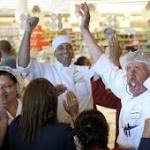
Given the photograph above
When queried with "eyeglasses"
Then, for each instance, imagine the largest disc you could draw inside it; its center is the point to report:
(6, 87)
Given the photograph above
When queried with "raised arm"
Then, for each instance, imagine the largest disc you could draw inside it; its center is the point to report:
(114, 47)
(24, 50)
(94, 50)
(115, 50)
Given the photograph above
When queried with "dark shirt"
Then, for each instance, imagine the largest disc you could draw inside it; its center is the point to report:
(53, 136)
(144, 144)
(9, 61)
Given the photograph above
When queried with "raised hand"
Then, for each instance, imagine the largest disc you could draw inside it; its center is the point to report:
(85, 15)
(31, 23)
(94, 49)
(114, 46)
(60, 89)
(71, 105)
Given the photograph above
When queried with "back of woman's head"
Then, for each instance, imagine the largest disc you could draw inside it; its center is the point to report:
(92, 129)
(39, 107)
(83, 61)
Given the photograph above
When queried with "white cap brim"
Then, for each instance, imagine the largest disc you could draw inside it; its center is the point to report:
(60, 40)
(16, 74)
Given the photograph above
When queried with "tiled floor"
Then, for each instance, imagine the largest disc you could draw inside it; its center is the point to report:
(110, 116)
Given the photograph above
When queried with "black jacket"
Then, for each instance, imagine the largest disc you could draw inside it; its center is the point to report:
(56, 136)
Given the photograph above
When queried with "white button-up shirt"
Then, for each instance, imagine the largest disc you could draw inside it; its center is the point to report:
(134, 109)
(75, 78)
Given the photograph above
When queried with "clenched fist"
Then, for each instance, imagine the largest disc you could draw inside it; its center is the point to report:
(31, 23)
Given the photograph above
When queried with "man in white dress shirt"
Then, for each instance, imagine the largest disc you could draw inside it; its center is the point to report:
(129, 87)
(61, 72)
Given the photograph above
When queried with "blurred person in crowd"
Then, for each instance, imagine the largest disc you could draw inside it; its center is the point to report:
(37, 127)
(11, 88)
(61, 72)
(129, 87)
(83, 61)
(8, 57)
(92, 130)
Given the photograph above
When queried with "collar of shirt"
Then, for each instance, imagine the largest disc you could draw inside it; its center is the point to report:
(18, 112)
(60, 65)
(147, 83)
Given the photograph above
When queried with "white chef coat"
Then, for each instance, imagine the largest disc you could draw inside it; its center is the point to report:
(134, 109)
(75, 78)
(147, 83)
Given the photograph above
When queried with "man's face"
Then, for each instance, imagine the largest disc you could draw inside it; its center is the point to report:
(137, 73)
(64, 54)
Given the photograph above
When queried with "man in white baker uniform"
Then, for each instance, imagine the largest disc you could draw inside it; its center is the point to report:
(61, 72)
(129, 87)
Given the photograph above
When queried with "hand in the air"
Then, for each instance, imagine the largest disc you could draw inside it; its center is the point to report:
(85, 15)
(60, 89)
(31, 23)
(71, 105)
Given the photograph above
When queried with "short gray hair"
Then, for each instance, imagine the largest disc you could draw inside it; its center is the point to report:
(138, 55)
(143, 57)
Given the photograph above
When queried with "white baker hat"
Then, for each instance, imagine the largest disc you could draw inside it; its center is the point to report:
(60, 40)
(138, 55)
(126, 58)
(16, 74)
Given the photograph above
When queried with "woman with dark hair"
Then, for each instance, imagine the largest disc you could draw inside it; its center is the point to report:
(92, 130)
(37, 127)
(83, 61)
